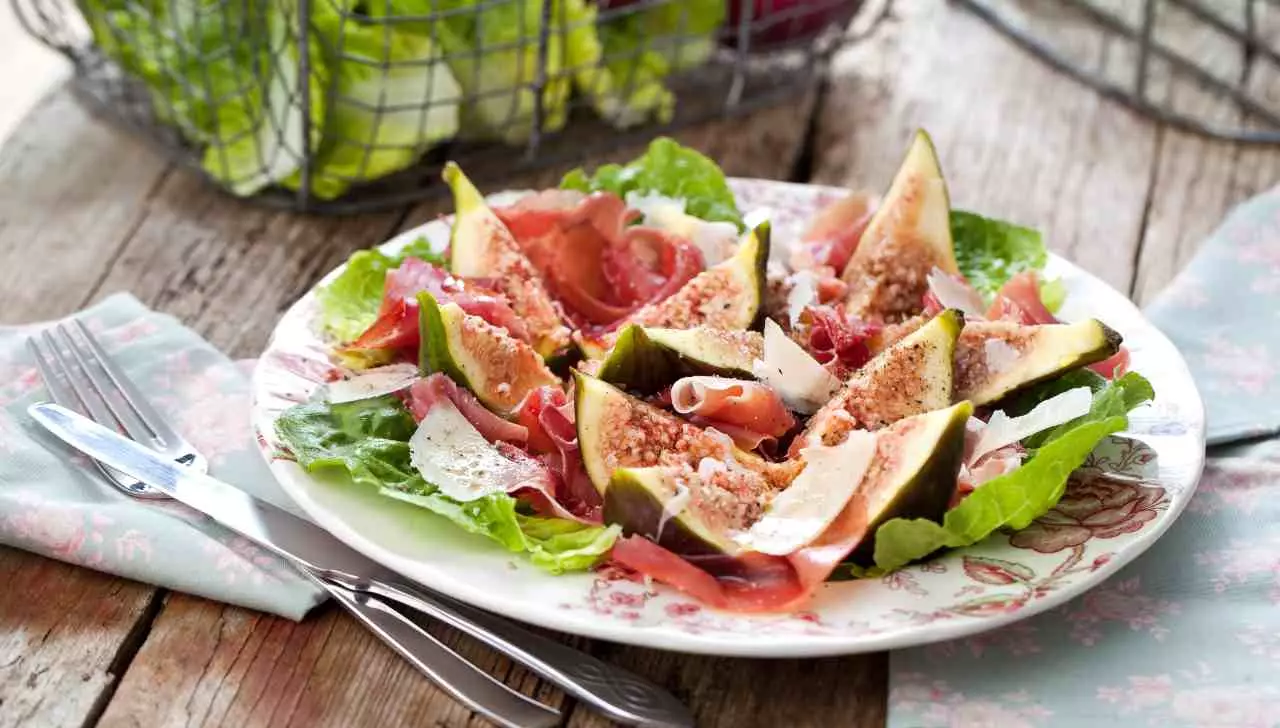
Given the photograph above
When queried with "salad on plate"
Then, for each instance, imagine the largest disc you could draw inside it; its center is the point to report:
(627, 370)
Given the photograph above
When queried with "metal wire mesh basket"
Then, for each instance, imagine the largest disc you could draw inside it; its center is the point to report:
(1211, 67)
(348, 105)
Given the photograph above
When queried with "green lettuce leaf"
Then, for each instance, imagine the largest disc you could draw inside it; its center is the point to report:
(616, 68)
(1016, 499)
(393, 97)
(667, 169)
(990, 251)
(368, 440)
(350, 303)
(493, 52)
(226, 75)
(622, 71)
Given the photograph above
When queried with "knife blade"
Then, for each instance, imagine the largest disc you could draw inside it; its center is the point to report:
(618, 693)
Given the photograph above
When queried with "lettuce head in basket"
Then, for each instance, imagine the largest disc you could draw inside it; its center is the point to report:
(385, 80)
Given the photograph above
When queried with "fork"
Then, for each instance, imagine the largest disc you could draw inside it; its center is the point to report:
(80, 375)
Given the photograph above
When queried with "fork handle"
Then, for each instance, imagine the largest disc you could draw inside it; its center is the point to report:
(463, 681)
(615, 692)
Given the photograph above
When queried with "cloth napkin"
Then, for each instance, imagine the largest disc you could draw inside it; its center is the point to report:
(54, 503)
(1189, 634)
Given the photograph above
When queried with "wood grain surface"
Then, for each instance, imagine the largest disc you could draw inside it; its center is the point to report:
(89, 211)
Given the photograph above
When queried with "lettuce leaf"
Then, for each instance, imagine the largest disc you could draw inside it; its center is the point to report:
(492, 49)
(668, 169)
(1016, 499)
(368, 440)
(622, 71)
(226, 75)
(990, 251)
(350, 303)
(393, 97)
(616, 69)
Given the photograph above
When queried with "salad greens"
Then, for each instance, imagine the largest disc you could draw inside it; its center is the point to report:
(382, 89)
(350, 303)
(393, 98)
(1019, 497)
(668, 169)
(368, 440)
(990, 252)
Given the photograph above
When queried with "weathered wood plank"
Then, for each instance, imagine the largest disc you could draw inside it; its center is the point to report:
(61, 629)
(1017, 140)
(207, 664)
(1198, 180)
(734, 693)
(77, 190)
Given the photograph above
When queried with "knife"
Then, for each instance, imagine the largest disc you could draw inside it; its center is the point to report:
(617, 693)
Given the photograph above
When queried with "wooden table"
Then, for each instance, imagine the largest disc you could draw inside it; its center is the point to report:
(87, 211)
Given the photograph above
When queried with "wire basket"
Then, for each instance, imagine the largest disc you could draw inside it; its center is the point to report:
(1211, 67)
(351, 105)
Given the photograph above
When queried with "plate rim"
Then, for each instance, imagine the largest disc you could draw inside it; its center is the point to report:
(721, 643)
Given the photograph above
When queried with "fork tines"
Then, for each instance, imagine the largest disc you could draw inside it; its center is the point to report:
(80, 375)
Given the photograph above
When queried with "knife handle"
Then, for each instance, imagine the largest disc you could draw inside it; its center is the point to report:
(465, 682)
(619, 694)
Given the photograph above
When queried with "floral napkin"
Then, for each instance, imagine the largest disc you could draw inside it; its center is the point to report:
(53, 503)
(1189, 634)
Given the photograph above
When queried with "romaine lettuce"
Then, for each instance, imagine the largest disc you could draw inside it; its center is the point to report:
(226, 75)
(393, 97)
(368, 440)
(1017, 498)
(990, 251)
(617, 69)
(350, 303)
(670, 170)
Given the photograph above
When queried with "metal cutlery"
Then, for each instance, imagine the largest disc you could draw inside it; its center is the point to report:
(105, 392)
(617, 693)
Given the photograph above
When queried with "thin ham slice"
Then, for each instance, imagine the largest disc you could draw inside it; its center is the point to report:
(396, 327)
(424, 393)
(545, 484)
(594, 262)
(841, 342)
(743, 403)
(1019, 300)
(834, 233)
(750, 582)
(547, 414)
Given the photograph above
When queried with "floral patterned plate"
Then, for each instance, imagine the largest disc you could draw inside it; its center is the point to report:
(1099, 526)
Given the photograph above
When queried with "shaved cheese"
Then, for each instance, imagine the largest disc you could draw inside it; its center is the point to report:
(452, 455)
(674, 506)
(800, 514)
(716, 240)
(803, 293)
(999, 355)
(1002, 430)
(803, 383)
(954, 294)
(372, 383)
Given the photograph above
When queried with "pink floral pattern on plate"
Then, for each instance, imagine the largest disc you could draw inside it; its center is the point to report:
(990, 584)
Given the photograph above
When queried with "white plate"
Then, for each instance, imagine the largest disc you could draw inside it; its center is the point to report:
(1095, 530)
